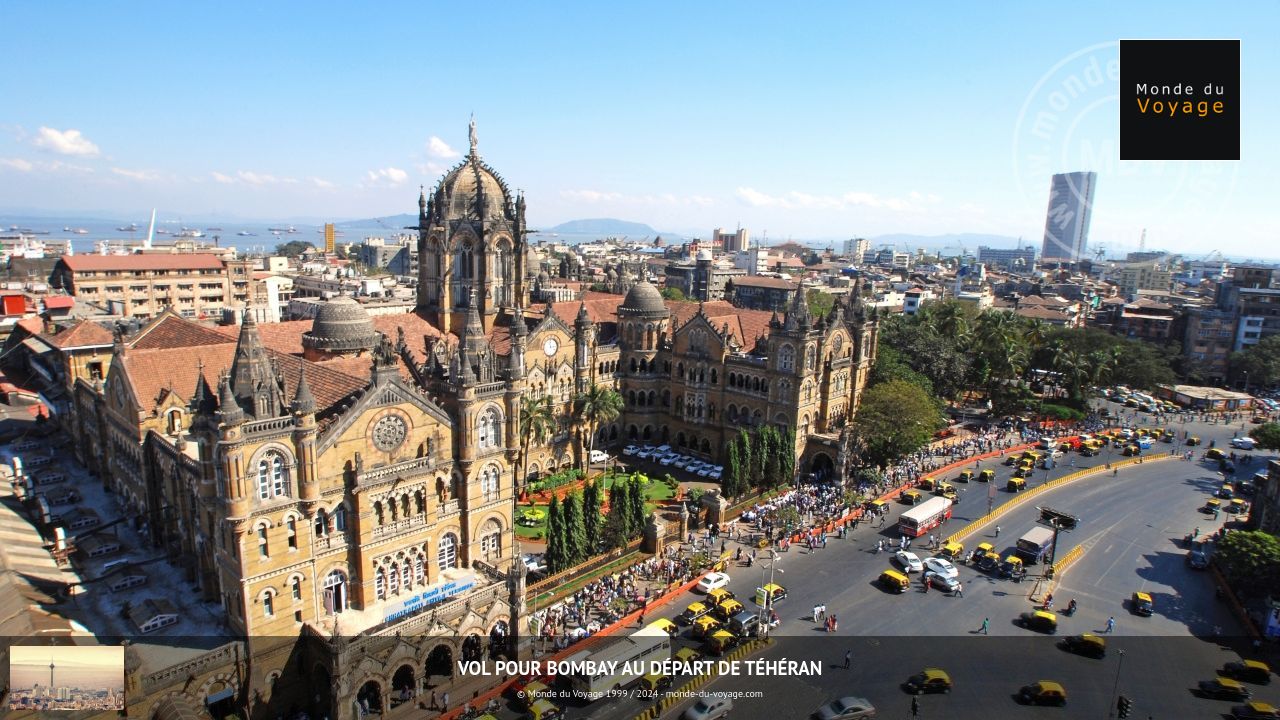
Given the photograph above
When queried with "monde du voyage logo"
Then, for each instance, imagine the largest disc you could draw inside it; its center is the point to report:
(1179, 99)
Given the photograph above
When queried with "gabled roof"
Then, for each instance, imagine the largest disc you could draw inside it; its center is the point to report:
(745, 326)
(83, 334)
(170, 330)
(764, 281)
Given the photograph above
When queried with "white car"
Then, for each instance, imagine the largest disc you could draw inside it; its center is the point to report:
(706, 471)
(695, 466)
(909, 561)
(680, 461)
(709, 708)
(630, 450)
(941, 566)
(715, 474)
(668, 459)
(644, 453)
(713, 581)
(664, 449)
(599, 456)
(1243, 443)
(846, 708)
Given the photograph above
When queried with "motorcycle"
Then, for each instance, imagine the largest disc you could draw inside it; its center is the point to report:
(1071, 609)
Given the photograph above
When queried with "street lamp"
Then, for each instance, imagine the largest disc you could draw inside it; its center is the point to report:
(767, 605)
(1116, 687)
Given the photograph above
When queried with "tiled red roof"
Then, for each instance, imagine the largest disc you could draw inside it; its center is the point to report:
(82, 334)
(59, 302)
(149, 261)
(744, 325)
(601, 308)
(169, 330)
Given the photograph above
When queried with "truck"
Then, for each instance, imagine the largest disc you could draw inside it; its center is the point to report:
(1035, 544)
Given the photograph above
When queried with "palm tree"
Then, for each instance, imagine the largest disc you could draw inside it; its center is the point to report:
(949, 319)
(537, 423)
(597, 405)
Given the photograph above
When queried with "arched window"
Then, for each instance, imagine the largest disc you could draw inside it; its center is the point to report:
(263, 549)
(273, 481)
(322, 523)
(713, 376)
(810, 357)
(419, 570)
(296, 586)
(340, 518)
(291, 531)
(175, 421)
(489, 429)
(447, 553)
(269, 603)
(335, 591)
(393, 580)
(466, 268)
(380, 584)
(786, 358)
(491, 540)
(489, 483)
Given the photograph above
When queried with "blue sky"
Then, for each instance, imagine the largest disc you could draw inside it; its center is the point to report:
(805, 121)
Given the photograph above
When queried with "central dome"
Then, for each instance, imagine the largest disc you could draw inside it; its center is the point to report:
(341, 326)
(461, 186)
(644, 297)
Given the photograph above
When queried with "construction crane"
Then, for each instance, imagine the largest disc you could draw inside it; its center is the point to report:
(1100, 253)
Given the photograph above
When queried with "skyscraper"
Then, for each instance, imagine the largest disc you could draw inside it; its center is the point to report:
(1066, 225)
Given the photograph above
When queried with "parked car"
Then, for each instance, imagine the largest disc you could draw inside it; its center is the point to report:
(1224, 689)
(630, 450)
(846, 708)
(599, 456)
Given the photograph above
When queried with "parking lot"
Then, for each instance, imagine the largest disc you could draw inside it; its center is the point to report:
(657, 460)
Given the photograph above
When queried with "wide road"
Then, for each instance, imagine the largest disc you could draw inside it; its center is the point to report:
(1129, 525)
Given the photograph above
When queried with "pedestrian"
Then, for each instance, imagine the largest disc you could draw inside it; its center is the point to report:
(816, 610)
(848, 658)
(433, 700)
(444, 701)
(1111, 624)
(986, 626)
(997, 531)
(915, 707)
(959, 590)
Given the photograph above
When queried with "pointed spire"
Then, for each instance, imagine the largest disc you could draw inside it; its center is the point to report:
(583, 318)
(254, 379)
(304, 403)
(422, 201)
(518, 327)
(474, 326)
(229, 411)
(203, 399)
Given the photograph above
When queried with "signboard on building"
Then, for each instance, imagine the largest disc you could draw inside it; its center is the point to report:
(431, 596)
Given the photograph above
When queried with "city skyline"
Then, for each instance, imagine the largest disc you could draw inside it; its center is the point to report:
(86, 667)
(836, 122)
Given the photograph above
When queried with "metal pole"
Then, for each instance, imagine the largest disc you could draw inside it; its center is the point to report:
(1115, 689)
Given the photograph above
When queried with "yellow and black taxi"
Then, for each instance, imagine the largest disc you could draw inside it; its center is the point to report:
(717, 596)
(911, 497)
(1237, 506)
(1142, 604)
(655, 683)
(987, 475)
(1211, 506)
(728, 609)
(1016, 483)
(1044, 692)
(1012, 460)
(721, 642)
(964, 476)
(1214, 454)
(531, 693)
(1224, 491)
(951, 550)
(703, 626)
(989, 561)
(926, 484)
(544, 710)
(1193, 441)
(1255, 711)
(1131, 450)
(1086, 644)
(665, 626)
(695, 611)
(1252, 671)
(948, 491)
(1023, 471)
(770, 594)
(894, 581)
(1041, 621)
(687, 655)
(929, 680)
(1221, 688)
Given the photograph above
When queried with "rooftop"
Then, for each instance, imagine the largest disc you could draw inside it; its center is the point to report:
(170, 261)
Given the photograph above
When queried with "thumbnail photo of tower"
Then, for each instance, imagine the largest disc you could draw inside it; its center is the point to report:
(66, 678)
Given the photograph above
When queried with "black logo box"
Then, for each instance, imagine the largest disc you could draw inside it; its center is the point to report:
(1154, 124)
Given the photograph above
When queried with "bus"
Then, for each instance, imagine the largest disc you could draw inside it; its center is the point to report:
(645, 644)
(924, 517)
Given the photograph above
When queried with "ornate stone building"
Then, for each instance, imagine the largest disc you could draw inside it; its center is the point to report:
(344, 487)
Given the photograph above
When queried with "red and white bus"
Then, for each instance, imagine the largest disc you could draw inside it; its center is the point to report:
(924, 517)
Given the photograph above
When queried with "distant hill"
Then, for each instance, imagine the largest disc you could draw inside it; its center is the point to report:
(602, 226)
(970, 241)
(394, 221)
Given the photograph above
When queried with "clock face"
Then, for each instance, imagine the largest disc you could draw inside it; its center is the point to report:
(389, 432)
(550, 346)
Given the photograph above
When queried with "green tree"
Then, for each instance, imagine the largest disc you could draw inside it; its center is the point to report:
(598, 405)
(592, 520)
(537, 423)
(575, 529)
(635, 508)
(617, 529)
(895, 419)
(820, 303)
(673, 293)
(293, 248)
(787, 457)
(557, 559)
(746, 457)
(889, 365)
(1250, 561)
(1267, 435)
(731, 478)
(773, 457)
(1259, 364)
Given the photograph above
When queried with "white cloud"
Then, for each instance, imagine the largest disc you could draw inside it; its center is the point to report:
(617, 198)
(590, 196)
(390, 175)
(322, 184)
(136, 174)
(431, 169)
(259, 179)
(796, 200)
(65, 142)
(224, 179)
(16, 164)
(438, 148)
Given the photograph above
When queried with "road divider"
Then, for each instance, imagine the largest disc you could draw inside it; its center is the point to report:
(684, 691)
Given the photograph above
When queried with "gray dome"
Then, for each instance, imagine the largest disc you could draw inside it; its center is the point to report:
(644, 297)
(341, 325)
